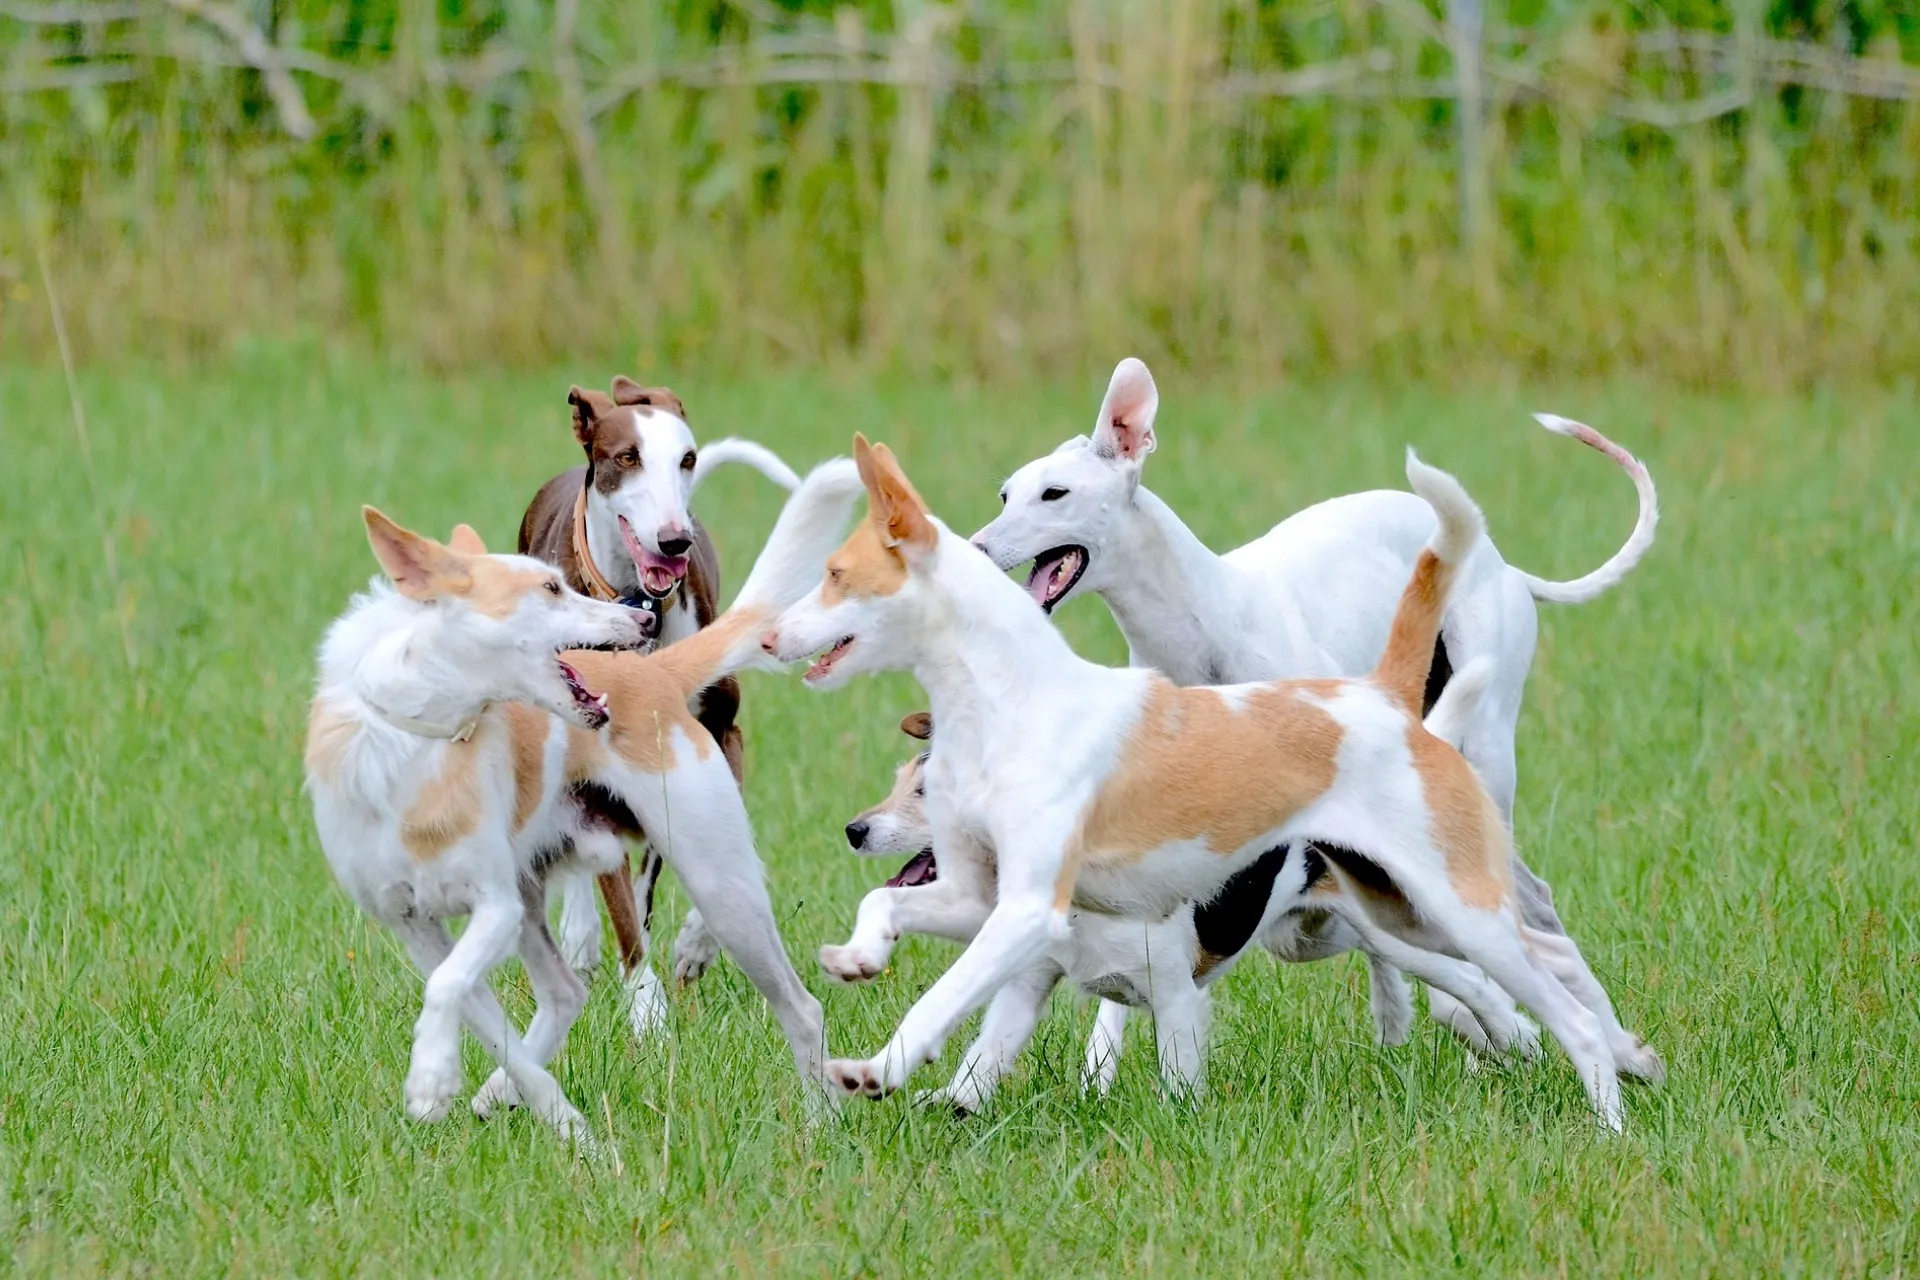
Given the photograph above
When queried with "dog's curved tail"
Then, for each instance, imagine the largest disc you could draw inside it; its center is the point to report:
(810, 526)
(1416, 623)
(758, 456)
(1622, 562)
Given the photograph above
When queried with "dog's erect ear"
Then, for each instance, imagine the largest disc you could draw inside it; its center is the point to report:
(1125, 429)
(588, 408)
(897, 506)
(419, 566)
(628, 392)
(918, 725)
(466, 541)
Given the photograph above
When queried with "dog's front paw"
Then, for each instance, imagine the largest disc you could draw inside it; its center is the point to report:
(851, 963)
(497, 1094)
(431, 1086)
(694, 951)
(857, 1079)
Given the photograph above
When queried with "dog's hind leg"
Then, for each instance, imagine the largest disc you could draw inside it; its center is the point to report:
(1103, 1048)
(646, 1002)
(579, 918)
(1562, 958)
(1011, 1017)
(1392, 1003)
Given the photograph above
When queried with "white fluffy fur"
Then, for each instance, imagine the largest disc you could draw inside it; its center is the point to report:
(438, 663)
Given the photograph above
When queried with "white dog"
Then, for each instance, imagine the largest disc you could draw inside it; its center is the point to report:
(438, 791)
(1118, 792)
(1312, 597)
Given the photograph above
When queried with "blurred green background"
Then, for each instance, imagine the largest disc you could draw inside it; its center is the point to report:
(1712, 192)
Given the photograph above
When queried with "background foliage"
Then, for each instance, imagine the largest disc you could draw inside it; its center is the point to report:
(1714, 192)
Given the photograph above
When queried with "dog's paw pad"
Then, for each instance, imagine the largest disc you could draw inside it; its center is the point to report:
(850, 964)
(856, 1079)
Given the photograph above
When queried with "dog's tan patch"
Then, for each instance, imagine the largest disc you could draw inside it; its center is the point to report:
(1463, 821)
(330, 731)
(447, 810)
(527, 729)
(1196, 768)
(864, 567)
(647, 694)
(585, 755)
(895, 507)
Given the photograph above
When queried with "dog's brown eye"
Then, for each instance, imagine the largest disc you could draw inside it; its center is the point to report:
(551, 587)
(1053, 494)
(686, 463)
(629, 459)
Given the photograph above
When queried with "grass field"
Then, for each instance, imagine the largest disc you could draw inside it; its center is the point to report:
(205, 1043)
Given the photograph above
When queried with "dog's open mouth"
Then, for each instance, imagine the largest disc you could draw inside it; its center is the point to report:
(920, 869)
(824, 663)
(591, 706)
(1054, 573)
(659, 574)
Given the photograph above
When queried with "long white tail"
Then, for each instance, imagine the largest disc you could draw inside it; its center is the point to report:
(1460, 702)
(810, 526)
(758, 456)
(1608, 575)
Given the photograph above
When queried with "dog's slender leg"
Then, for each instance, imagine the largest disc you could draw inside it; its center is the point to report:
(1495, 944)
(1490, 1008)
(434, 1075)
(699, 826)
(1103, 1047)
(646, 1002)
(1459, 1019)
(579, 918)
(1392, 1003)
(1014, 936)
(1011, 1017)
(559, 996)
(946, 908)
(539, 1092)
(1181, 1014)
(1561, 957)
(694, 947)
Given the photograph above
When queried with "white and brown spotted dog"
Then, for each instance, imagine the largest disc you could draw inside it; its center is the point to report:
(1119, 793)
(456, 727)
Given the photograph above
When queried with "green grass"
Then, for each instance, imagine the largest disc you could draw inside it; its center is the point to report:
(205, 1042)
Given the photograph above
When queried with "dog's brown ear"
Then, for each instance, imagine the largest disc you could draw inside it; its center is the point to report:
(628, 392)
(420, 567)
(899, 511)
(466, 540)
(588, 408)
(918, 725)
(1125, 429)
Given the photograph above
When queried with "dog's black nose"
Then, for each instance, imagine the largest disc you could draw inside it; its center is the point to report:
(856, 834)
(675, 544)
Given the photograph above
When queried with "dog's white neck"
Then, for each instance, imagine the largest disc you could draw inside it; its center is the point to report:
(985, 648)
(608, 548)
(1167, 595)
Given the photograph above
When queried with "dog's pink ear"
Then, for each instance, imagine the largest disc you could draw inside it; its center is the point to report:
(417, 565)
(898, 509)
(466, 541)
(918, 725)
(1125, 429)
(588, 408)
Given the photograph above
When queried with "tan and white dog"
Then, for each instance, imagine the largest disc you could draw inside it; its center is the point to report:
(1118, 792)
(1168, 967)
(455, 723)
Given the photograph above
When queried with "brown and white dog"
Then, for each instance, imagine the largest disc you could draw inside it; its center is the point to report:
(621, 528)
(1115, 792)
(456, 728)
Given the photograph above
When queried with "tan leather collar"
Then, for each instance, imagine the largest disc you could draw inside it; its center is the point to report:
(597, 585)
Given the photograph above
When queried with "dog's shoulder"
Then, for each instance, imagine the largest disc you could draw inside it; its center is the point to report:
(703, 575)
(546, 530)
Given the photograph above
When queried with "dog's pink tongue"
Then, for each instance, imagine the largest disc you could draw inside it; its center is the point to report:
(658, 574)
(1039, 581)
